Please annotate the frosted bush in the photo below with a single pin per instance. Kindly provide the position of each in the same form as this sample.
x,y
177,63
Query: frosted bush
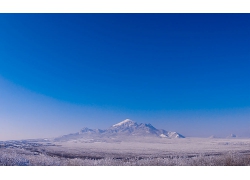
x,y
13,159
25,158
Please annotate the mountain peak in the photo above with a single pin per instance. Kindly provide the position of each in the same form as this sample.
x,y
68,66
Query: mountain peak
x,y
120,130
125,122
85,129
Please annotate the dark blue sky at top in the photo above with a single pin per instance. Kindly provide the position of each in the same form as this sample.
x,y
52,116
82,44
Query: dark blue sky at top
x,y
130,61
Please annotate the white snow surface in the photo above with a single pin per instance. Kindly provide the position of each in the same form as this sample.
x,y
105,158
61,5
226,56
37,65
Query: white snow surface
x,y
125,122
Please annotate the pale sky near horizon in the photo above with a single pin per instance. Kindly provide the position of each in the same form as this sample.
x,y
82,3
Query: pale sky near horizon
x,y
26,115
181,72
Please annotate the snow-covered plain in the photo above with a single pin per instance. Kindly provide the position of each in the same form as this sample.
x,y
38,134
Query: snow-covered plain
x,y
155,146
137,151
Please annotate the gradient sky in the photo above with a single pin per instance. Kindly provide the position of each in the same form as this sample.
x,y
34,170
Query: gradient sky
x,y
188,73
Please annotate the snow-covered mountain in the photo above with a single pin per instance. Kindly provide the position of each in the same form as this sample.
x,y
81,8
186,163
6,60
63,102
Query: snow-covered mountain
x,y
232,136
126,128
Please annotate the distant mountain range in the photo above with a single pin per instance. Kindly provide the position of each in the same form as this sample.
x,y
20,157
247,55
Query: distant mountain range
x,y
231,136
126,128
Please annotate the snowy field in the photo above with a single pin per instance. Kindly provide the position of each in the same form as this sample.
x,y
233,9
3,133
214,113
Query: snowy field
x,y
138,152
157,146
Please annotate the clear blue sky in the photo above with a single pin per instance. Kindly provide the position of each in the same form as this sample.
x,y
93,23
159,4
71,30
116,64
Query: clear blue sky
x,y
184,72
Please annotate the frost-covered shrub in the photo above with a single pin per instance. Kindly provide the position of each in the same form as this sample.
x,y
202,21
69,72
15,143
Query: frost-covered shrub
x,y
26,158
13,159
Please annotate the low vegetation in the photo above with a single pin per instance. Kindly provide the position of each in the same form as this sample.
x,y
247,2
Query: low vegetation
x,y
12,157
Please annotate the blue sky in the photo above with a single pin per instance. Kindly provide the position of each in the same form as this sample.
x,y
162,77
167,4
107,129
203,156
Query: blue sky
x,y
183,72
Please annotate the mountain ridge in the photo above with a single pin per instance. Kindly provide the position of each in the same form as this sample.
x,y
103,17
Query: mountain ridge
x,y
125,128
